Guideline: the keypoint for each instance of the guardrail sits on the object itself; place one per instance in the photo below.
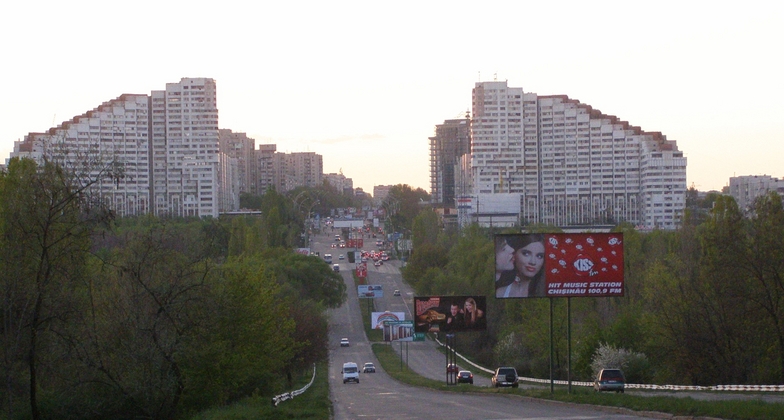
(290, 395)
(756, 388)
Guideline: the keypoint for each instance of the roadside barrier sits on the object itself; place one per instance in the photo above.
(753, 388)
(290, 395)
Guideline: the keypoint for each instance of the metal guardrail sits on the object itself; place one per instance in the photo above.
(290, 395)
(755, 388)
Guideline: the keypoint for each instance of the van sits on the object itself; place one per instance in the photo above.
(350, 372)
(609, 380)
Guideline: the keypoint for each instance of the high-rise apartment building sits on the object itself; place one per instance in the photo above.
(451, 142)
(185, 148)
(116, 131)
(566, 163)
(746, 189)
(240, 147)
(292, 170)
(341, 183)
(167, 143)
(263, 170)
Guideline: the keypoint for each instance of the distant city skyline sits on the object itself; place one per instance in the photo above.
(364, 85)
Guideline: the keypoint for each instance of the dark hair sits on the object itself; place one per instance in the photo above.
(521, 241)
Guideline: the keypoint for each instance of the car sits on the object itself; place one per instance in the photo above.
(465, 377)
(336, 268)
(377, 263)
(505, 376)
(341, 257)
(609, 380)
(452, 368)
(344, 342)
(396, 293)
(369, 368)
(334, 246)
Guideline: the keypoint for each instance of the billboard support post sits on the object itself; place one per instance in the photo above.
(569, 343)
(552, 384)
(401, 356)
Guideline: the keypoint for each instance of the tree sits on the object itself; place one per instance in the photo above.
(47, 216)
(402, 205)
(766, 268)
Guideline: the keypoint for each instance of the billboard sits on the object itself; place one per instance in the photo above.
(401, 331)
(559, 265)
(377, 319)
(449, 313)
(370, 291)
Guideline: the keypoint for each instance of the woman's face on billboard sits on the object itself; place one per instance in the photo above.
(530, 259)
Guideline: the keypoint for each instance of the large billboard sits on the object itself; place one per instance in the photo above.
(559, 265)
(449, 313)
(377, 319)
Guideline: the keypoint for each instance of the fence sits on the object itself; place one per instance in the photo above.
(290, 395)
(755, 388)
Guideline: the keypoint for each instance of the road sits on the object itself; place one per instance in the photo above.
(378, 396)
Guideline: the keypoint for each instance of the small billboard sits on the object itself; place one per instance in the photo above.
(401, 331)
(559, 265)
(370, 291)
(377, 319)
(449, 313)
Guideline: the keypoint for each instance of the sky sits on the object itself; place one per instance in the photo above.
(364, 83)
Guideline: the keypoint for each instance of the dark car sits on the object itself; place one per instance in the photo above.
(369, 368)
(451, 368)
(465, 377)
(504, 376)
(609, 380)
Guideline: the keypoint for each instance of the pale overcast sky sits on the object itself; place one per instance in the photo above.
(364, 83)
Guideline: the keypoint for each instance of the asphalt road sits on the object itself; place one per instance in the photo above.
(378, 396)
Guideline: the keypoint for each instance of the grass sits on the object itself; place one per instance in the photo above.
(724, 409)
(313, 404)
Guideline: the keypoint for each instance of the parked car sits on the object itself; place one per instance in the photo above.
(369, 368)
(505, 376)
(609, 380)
(396, 293)
(451, 368)
(465, 377)
(344, 342)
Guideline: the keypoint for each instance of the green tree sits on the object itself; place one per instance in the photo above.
(47, 216)
(402, 205)
(425, 228)
(766, 269)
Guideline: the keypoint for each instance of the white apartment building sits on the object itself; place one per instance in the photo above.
(568, 163)
(746, 189)
(185, 148)
(167, 142)
(116, 131)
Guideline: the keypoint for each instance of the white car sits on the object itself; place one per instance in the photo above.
(340, 257)
(344, 342)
